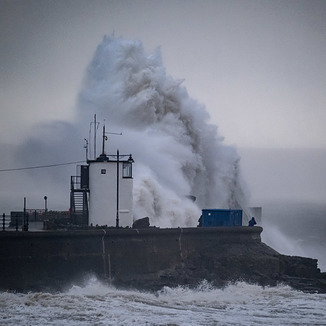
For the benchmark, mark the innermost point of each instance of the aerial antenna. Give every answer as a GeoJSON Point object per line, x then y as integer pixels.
{"type": "Point", "coordinates": [96, 125]}
{"type": "Point", "coordinates": [95, 128]}
{"type": "Point", "coordinates": [105, 137]}
{"type": "Point", "coordinates": [86, 148]}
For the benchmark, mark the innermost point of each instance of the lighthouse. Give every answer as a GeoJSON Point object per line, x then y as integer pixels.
{"type": "Point", "coordinates": [102, 194]}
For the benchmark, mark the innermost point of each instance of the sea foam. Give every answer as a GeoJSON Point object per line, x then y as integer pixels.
{"type": "Point", "coordinates": [176, 149]}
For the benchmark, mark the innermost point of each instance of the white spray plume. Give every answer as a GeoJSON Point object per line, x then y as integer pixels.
{"type": "Point", "coordinates": [176, 151]}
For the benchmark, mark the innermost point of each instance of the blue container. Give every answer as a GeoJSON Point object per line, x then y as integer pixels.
{"type": "Point", "coordinates": [220, 217]}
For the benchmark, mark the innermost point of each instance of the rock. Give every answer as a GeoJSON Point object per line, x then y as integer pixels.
{"type": "Point", "coordinates": [141, 223]}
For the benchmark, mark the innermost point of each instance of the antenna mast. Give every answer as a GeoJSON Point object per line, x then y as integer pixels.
{"type": "Point", "coordinates": [104, 139]}
{"type": "Point", "coordinates": [90, 138]}
{"type": "Point", "coordinates": [95, 126]}
{"type": "Point", "coordinates": [86, 147]}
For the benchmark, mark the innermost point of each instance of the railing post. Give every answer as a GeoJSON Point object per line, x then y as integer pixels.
{"type": "Point", "coordinates": [45, 204]}
{"type": "Point", "coordinates": [24, 216]}
{"type": "Point", "coordinates": [117, 219]}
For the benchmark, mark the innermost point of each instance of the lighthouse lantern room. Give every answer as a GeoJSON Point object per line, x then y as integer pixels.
{"type": "Point", "coordinates": [106, 184]}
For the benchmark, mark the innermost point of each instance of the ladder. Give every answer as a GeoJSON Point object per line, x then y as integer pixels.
{"type": "Point", "coordinates": [78, 203]}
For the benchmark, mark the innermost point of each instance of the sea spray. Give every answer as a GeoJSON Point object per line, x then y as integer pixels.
{"type": "Point", "coordinates": [99, 304]}
{"type": "Point", "coordinates": [177, 151]}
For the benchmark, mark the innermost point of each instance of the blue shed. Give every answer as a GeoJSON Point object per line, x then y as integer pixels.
{"type": "Point", "coordinates": [221, 217]}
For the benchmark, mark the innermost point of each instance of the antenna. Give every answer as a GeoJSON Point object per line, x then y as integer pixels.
{"type": "Point", "coordinates": [95, 136]}
{"type": "Point", "coordinates": [96, 124]}
{"type": "Point", "coordinates": [105, 138]}
{"type": "Point", "coordinates": [86, 147]}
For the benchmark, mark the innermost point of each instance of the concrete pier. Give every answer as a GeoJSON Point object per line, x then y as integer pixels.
{"type": "Point", "coordinates": [144, 258]}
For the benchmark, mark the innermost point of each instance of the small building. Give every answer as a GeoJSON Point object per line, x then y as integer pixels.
{"type": "Point", "coordinates": [102, 193]}
{"type": "Point", "coordinates": [110, 191]}
{"type": "Point", "coordinates": [220, 217]}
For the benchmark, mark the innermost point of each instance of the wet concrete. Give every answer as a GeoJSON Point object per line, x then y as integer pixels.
{"type": "Point", "coordinates": [145, 258]}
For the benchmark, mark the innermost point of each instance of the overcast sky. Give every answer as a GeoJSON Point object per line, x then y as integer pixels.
{"type": "Point", "coordinates": [258, 66]}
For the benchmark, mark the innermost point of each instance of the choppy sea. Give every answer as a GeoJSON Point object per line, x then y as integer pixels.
{"type": "Point", "coordinates": [99, 304]}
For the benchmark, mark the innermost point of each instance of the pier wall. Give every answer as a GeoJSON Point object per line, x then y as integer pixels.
{"type": "Point", "coordinates": [140, 258]}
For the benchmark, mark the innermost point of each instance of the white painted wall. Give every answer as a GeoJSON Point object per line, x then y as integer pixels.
{"type": "Point", "coordinates": [103, 195]}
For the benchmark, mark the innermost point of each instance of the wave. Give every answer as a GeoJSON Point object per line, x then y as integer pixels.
{"type": "Point", "coordinates": [99, 304]}
{"type": "Point", "coordinates": [177, 151]}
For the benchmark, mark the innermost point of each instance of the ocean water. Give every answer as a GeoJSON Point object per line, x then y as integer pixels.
{"type": "Point", "coordinates": [296, 228]}
{"type": "Point", "coordinates": [99, 304]}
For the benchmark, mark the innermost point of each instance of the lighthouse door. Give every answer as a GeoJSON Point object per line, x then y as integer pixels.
{"type": "Point", "coordinates": [84, 177]}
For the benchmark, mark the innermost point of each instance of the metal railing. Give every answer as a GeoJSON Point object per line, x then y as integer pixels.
{"type": "Point", "coordinates": [78, 202]}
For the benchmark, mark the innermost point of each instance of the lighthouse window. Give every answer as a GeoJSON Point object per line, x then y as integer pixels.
{"type": "Point", "coordinates": [126, 170]}
{"type": "Point", "coordinates": [103, 171]}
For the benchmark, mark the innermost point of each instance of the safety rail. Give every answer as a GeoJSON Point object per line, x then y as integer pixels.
{"type": "Point", "coordinates": [78, 202]}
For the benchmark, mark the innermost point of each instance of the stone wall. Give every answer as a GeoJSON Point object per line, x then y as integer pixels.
{"type": "Point", "coordinates": [143, 258]}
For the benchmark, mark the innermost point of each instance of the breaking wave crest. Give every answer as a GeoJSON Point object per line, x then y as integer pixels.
{"type": "Point", "coordinates": [177, 151]}
{"type": "Point", "coordinates": [98, 304]}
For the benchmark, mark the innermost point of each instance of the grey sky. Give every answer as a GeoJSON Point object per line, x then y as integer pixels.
{"type": "Point", "coordinates": [258, 66]}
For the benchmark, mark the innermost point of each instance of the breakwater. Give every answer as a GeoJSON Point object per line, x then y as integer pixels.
{"type": "Point", "coordinates": [148, 258]}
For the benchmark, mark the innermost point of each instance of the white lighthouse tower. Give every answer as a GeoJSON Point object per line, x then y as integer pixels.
{"type": "Point", "coordinates": [107, 185]}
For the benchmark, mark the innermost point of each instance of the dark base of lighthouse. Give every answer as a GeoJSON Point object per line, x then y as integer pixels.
{"type": "Point", "coordinates": [149, 259]}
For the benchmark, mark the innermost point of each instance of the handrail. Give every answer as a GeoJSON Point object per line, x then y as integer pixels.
{"type": "Point", "coordinates": [75, 182]}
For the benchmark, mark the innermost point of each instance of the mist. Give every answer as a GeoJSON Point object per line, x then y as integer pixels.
{"type": "Point", "coordinates": [289, 185]}
{"type": "Point", "coordinates": [47, 144]}
{"type": "Point", "coordinates": [177, 151]}
{"type": "Point", "coordinates": [296, 227]}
